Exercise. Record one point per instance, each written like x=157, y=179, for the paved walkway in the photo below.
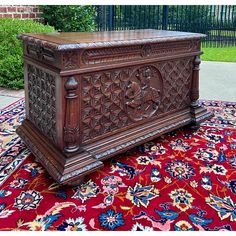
x=9, y=96
x=217, y=82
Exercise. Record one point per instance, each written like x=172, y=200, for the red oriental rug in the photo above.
x=180, y=181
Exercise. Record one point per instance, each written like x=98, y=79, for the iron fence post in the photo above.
x=165, y=17
x=217, y=21
x=111, y=18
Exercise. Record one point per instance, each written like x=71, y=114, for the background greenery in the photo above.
x=226, y=54
x=83, y=18
x=70, y=18
x=11, y=49
x=61, y=17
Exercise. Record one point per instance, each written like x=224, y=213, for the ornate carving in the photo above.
x=196, y=44
x=69, y=59
x=37, y=153
x=176, y=76
x=50, y=163
x=71, y=128
x=103, y=102
x=146, y=50
x=114, y=99
x=35, y=41
x=105, y=55
x=135, y=52
x=142, y=138
x=40, y=51
x=142, y=100
x=83, y=170
x=42, y=100
x=170, y=48
x=195, y=82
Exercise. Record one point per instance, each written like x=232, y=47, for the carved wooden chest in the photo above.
x=90, y=96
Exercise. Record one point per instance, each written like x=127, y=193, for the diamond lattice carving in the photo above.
x=103, y=106
x=106, y=106
x=42, y=101
x=177, y=81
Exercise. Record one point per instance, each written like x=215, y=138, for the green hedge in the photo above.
x=70, y=18
x=11, y=49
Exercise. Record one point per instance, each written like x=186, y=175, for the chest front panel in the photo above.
x=128, y=96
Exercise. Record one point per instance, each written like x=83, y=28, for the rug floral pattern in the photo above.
x=182, y=181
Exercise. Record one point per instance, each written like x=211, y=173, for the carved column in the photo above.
x=195, y=82
x=198, y=112
x=71, y=127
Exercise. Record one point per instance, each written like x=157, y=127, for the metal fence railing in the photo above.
x=218, y=22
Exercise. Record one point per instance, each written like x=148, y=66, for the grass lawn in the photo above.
x=227, y=54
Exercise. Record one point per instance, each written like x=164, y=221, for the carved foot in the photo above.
x=76, y=182
x=199, y=115
x=193, y=126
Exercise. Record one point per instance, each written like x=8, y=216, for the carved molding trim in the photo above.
x=130, y=42
x=46, y=163
x=202, y=118
x=105, y=55
x=40, y=51
x=35, y=41
x=59, y=47
x=37, y=153
x=144, y=137
x=82, y=170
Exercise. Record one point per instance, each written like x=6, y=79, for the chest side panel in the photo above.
x=42, y=100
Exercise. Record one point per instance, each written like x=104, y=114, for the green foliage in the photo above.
x=11, y=49
x=70, y=18
x=226, y=54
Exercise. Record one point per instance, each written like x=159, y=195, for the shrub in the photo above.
x=11, y=49
x=70, y=17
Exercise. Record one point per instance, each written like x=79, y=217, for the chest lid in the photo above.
x=75, y=40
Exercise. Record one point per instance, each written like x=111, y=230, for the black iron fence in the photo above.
x=217, y=22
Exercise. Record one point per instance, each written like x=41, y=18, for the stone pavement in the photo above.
x=217, y=82
x=8, y=96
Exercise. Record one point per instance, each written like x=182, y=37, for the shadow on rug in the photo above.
x=180, y=181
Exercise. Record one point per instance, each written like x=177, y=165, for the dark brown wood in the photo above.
x=90, y=96
x=71, y=127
